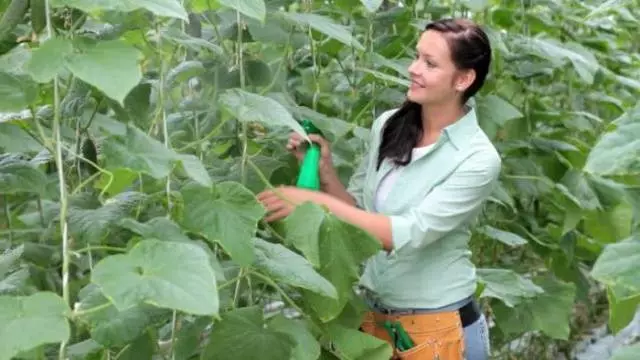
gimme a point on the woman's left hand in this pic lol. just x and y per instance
(281, 201)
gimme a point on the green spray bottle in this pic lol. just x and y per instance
(309, 175)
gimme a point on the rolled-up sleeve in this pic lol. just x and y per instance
(450, 204)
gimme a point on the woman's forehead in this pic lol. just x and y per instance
(432, 44)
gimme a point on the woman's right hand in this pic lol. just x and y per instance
(298, 146)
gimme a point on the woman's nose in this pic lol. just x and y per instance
(413, 68)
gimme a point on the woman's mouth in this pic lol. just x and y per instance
(416, 85)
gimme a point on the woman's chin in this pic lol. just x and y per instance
(415, 95)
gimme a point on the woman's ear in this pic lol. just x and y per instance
(464, 79)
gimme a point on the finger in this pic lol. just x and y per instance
(293, 144)
(324, 144)
(277, 215)
(294, 136)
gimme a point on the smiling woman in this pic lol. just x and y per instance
(427, 174)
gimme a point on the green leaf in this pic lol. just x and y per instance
(183, 72)
(92, 225)
(372, 5)
(494, 112)
(284, 265)
(136, 151)
(111, 327)
(583, 61)
(226, 213)
(17, 92)
(171, 275)
(341, 248)
(169, 8)
(617, 265)
(548, 312)
(623, 305)
(27, 322)
(249, 107)
(327, 26)
(163, 228)
(355, 344)
(118, 63)
(49, 59)
(252, 8)
(507, 285)
(505, 237)
(617, 152)
(307, 347)
(20, 176)
(243, 333)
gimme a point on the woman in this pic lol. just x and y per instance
(419, 188)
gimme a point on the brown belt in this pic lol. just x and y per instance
(469, 313)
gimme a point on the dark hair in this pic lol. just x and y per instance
(470, 49)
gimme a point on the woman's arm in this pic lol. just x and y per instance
(281, 202)
(376, 224)
(447, 206)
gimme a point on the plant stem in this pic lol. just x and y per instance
(236, 293)
(66, 253)
(243, 164)
(7, 213)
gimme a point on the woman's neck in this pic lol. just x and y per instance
(437, 117)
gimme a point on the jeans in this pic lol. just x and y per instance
(476, 340)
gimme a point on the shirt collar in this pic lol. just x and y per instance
(460, 131)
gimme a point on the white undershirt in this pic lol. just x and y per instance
(387, 182)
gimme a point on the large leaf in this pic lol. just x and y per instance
(20, 176)
(355, 344)
(623, 306)
(111, 327)
(170, 8)
(618, 265)
(173, 275)
(507, 286)
(248, 107)
(136, 151)
(118, 63)
(494, 112)
(252, 8)
(243, 333)
(226, 213)
(505, 237)
(27, 322)
(287, 267)
(49, 59)
(17, 92)
(548, 312)
(92, 225)
(617, 152)
(338, 247)
(327, 26)
(583, 61)
(307, 347)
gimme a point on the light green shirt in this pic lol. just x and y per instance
(432, 205)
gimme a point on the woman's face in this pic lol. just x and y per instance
(434, 77)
